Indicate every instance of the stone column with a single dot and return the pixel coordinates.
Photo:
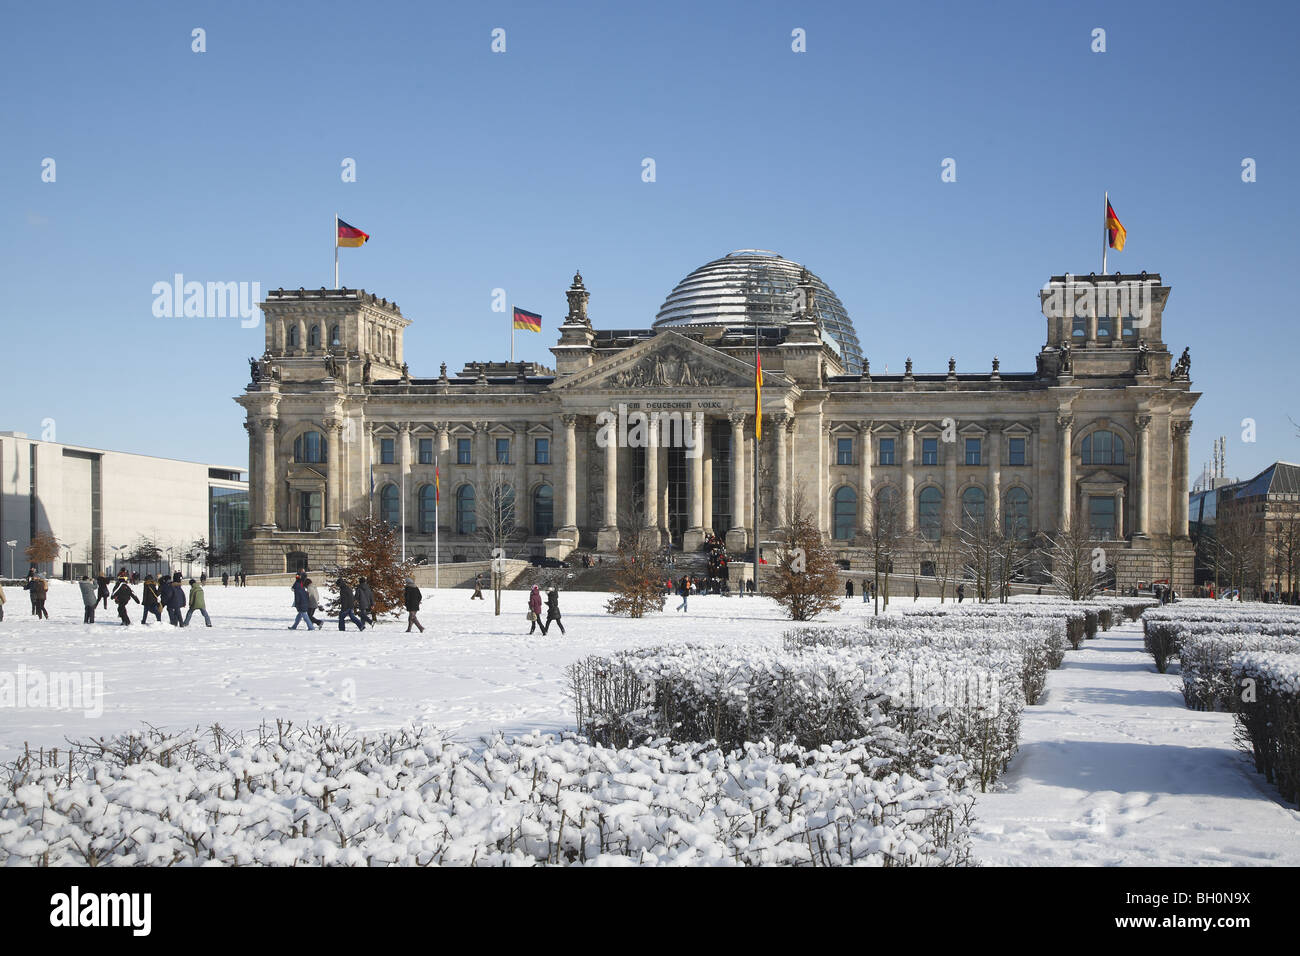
(694, 536)
(707, 467)
(909, 477)
(607, 536)
(993, 507)
(1142, 518)
(570, 509)
(1119, 515)
(254, 473)
(333, 477)
(480, 464)
(444, 443)
(865, 451)
(651, 496)
(1065, 438)
(736, 539)
(404, 482)
(519, 458)
(1178, 486)
(268, 497)
(781, 486)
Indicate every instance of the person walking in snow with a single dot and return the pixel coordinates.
(123, 595)
(347, 606)
(961, 593)
(411, 597)
(175, 600)
(366, 601)
(89, 598)
(103, 590)
(197, 603)
(313, 601)
(848, 589)
(39, 591)
(478, 587)
(535, 609)
(684, 589)
(553, 609)
(225, 579)
(152, 602)
(302, 604)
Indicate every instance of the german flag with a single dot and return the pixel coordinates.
(528, 321)
(351, 236)
(758, 398)
(1115, 231)
(437, 485)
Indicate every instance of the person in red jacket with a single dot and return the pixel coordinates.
(535, 605)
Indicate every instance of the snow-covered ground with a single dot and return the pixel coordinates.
(1113, 768)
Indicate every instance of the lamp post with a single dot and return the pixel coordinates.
(116, 548)
(169, 561)
(12, 545)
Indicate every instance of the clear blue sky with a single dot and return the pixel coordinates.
(478, 170)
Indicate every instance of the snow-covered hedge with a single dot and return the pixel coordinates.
(1037, 642)
(1205, 659)
(1268, 714)
(1165, 629)
(910, 706)
(324, 797)
(1070, 617)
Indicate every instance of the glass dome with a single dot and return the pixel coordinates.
(756, 286)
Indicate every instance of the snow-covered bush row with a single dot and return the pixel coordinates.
(325, 797)
(1071, 618)
(910, 706)
(1224, 611)
(1268, 714)
(1205, 660)
(1164, 630)
(1036, 641)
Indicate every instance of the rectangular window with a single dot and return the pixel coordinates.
(542, 451)
(1101, 517)
(972, 451)
(463, 454)
(1079, 329)
(387, 451)
(426, 451)
(1128, 324)
(929, 451)
(1016, 451)
(309, 511)
(503, 451)
(1105, 325)
(886, 451)
(844, 451)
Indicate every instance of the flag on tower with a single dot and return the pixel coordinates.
(1115, 231)
(758, 398)
(528, 321)
(350, 236)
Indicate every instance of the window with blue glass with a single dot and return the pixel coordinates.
(1079, 329)
(973, 451)
(844, 451)
(1105, 326)
(387, 451)
(929, 451)
(1016, 451)
(846, 513)
(503, 451)
(542, 451)
(1102, 448)
(463, 454)
(426, 451)
(390, 506)
(886, 451)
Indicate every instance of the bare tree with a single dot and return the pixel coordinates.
(639, 574)
(1286, 550)
(886, 538)
(496, 527)
(945, 554)
(42, 549)
(1077, 564)
(805, 580)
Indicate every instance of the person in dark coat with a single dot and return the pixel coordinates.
(152, 602)
(478, 588)
(89, 597)
(103, 590)
(175, 600)
(123, 595)
(302, 604)
(347, 606)
(225, 579)
(411, 597)
(365, 601)
(553, 609)
(848, 588)
(535, 605)
(39, 591)
(961, 593)
(683, 590)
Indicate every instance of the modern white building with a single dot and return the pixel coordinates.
(101, 504)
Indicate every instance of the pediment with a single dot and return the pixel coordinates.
(1101, 479)
(668, 360)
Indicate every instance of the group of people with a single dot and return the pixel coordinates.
(306, 601)
(166, 592)
(552, 609)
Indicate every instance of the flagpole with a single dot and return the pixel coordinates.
(757, 430)
(1105, 235)
(512, 335)
(403, 515)
(336, 250)
(437, 495)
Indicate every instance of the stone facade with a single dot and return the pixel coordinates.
(1098, 432)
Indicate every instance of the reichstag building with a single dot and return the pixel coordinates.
(1096, 432)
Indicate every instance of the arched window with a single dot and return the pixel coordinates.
(929, 513)
(334, 335)
(1102, 448)
(972, 508)
(427, 498)
(543, 511)
(390, 506)
(291, 336)
(1016, 514)
(309, 447)
(846, 513)
(313, 337)
(465, 523)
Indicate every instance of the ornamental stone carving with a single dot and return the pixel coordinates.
(670, 368)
